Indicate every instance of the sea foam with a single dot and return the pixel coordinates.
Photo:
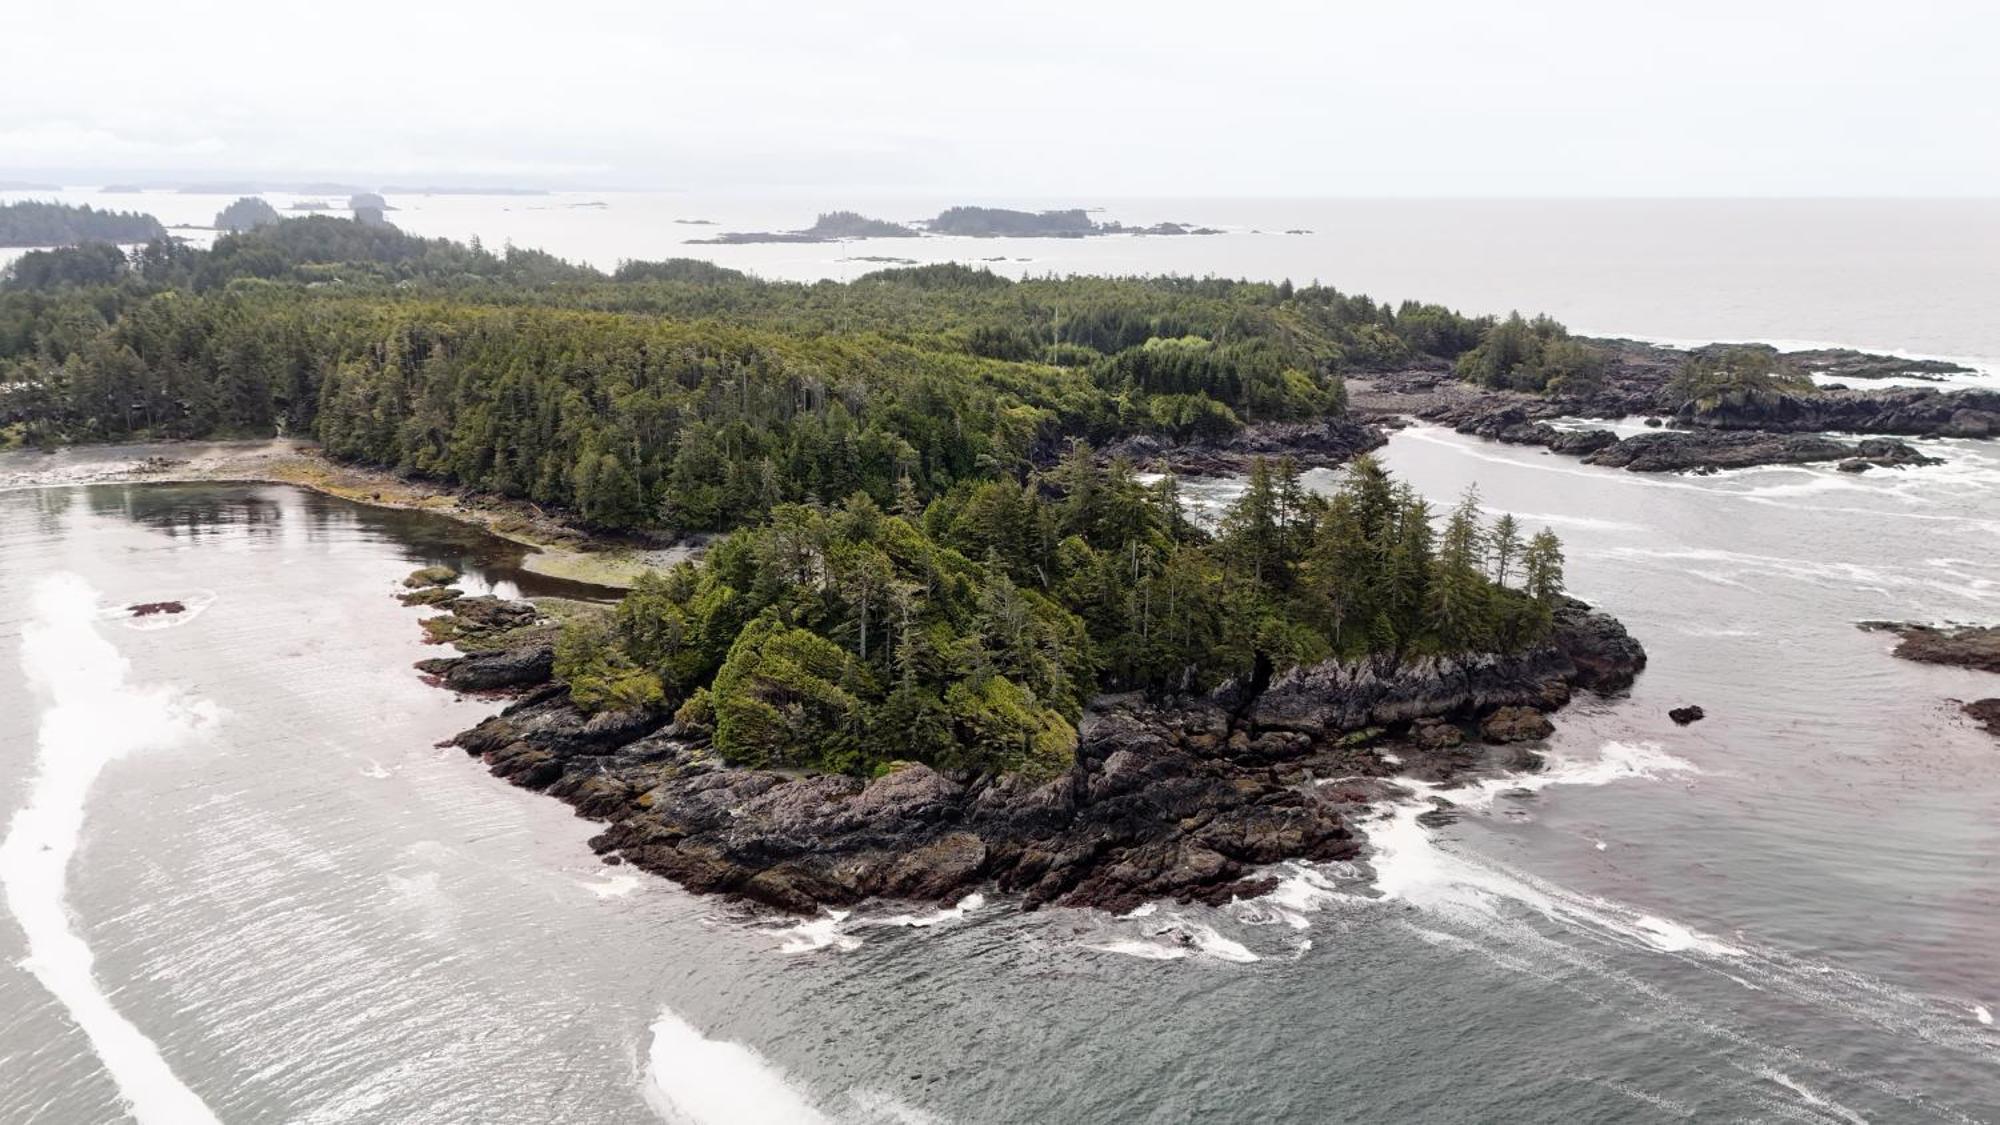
(92, 716)
(694, 1080)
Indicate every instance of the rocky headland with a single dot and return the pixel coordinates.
(1185, 798)
(1701, 436)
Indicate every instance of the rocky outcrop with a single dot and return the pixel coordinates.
(1186, 799)
(1895, 411)
(501, 669)
(1667, 451)
(1683, 716)
(1985, 712)
(1961, 646)
(1333, 441)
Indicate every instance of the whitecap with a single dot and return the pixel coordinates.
(1144, 950)
(814, 934)
(694, 1080)
(967, 905)
(613, 886)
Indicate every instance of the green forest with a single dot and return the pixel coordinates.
(34, 223)
(926, 560)
(968, 632)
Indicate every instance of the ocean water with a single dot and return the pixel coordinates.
(242, 882)
(1913, 276)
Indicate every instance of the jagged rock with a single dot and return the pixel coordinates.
(1582, 443)
(1332, 441)
(1516, 724)
(490, 614)
(431, 595)
(1708, 450)
(1682, 716)
(491, 671)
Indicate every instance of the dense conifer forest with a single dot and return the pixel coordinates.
(926, 559)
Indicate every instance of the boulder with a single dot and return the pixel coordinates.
(1515, 724)
(430, 576)
(1685, 715)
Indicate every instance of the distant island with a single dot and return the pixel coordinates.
(311, 205)
(1075, 222)
(393, 189)
(24, 185)
(255, 187)
(696, 222)
(832, 226)
(35, 223)
(964, 222)
(247, 213)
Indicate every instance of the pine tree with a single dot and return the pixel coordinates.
(1506, 547)
(1457, 608)
(1543, 567)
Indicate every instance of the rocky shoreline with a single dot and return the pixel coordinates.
(1973, 647)
(1186, 799)
(1701, 437)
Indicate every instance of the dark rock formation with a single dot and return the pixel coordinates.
(1896, 411)
(1334, 441)
(1516, 724)
(1962, 646)
(1709, 450)
(148, 609)
(493, 671)
(1186, 799)
(1985, 712)
(1682, 716)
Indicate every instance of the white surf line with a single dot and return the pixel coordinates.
(93, 717)
(695, 1080)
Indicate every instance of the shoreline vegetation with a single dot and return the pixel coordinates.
(939, 632)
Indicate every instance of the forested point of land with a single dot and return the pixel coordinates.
(927, 562)
(37, 223)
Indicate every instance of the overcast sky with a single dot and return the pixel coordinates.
(1150, 97)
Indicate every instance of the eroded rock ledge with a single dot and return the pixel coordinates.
(1187, 799)
(1960, 646)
